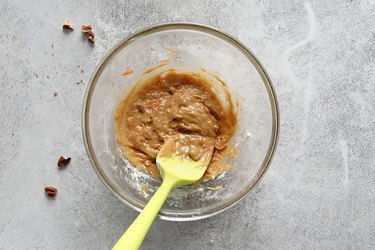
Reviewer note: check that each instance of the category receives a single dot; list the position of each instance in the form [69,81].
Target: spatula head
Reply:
[175,163]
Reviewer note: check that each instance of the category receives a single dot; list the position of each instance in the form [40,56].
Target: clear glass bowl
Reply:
[195,46]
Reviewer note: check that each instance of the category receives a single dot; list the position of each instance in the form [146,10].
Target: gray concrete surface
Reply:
[318,193]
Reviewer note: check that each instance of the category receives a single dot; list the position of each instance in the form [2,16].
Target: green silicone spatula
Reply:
[176,171]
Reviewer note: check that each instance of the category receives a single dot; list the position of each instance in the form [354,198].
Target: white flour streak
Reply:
[66,128]
[310,37]
[307,98]
[344,153]
[287,69]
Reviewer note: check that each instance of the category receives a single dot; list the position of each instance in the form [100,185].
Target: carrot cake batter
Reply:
[174,105]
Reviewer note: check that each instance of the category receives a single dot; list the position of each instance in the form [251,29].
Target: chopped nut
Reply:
[62,162]
[140,108]
[68,26]
[91,39]
[86,28]
[90,36]
[127,72]
[50,191]
[90,33]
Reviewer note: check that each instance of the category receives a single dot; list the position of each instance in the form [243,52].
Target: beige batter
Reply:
[179,106]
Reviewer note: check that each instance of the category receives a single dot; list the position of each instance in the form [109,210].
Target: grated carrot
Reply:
[127,72]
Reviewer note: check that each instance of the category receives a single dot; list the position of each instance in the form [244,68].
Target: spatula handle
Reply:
[133,237]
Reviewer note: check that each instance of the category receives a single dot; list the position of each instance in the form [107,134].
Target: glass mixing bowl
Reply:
[193,46]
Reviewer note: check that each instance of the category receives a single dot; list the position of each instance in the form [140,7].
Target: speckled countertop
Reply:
[319,192]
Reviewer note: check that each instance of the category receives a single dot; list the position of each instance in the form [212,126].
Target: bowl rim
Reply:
[205,29]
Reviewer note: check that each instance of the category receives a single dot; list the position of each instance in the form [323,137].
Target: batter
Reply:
[174,105]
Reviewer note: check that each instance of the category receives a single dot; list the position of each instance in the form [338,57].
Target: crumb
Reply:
[47,77]
[81,81]
[233,153]
[55,94]
[82,71]
[171,51]
[164,61]
[52,46]
[215,188]
[77,83]
[144,190]
[245,134]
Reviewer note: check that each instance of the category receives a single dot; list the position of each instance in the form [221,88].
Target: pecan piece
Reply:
[50,191]
[68,26]
[62,162]
[91,39]
[86,28]
[90,36]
